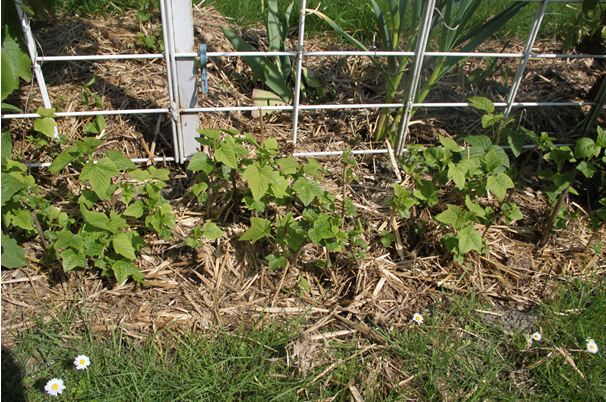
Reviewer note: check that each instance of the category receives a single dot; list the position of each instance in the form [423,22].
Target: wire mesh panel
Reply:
[182,82]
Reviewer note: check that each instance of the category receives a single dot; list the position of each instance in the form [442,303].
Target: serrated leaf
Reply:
[512,213]
[125,269]
[469,240]
[307,190]
[516,141]
[23,219]
[456,174]
[496,159]
[121,161]
[274,262]
[46,126]
[259,178]
[134,210]
[499,184]
[454,216]
[13,255]
[288,166]
[587,168]
[481,103]
[95,219]
[450,144]
[200,162]
[15,64]
[586,148]
[601,138]
[474,207]
[227,153]
[259,229]
[211,231]
[99,176]
[123,245]
[71,260]
[10,186]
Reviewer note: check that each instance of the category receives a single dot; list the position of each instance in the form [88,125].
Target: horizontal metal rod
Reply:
[222,109]
[134,160]
[330,53]
[87,113]
[337,153]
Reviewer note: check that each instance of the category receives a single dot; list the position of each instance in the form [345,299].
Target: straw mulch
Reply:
[226,283]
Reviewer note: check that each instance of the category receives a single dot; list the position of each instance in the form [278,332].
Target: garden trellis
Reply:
[182,77]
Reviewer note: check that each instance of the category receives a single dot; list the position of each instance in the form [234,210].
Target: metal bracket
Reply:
[203,70]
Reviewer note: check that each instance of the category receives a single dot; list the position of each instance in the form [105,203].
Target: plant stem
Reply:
[552,218]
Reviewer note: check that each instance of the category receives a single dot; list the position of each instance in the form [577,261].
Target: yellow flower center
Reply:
[82,362]
[55,387]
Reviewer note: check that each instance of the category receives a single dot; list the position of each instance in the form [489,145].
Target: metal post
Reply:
[33,55]
[416,74]
[179,38]
[297,94]
[517,80]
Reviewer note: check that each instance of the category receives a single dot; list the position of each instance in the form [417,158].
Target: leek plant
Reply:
[396,22]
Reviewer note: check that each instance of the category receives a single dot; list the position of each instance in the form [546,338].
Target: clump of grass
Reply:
[457,353]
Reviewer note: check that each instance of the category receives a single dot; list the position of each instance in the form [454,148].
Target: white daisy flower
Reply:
[54,387]
[81,362]
[418,318]
[591,346]
[536,337]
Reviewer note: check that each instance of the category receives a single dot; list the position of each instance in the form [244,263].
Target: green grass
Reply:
[355,16]
[459,353]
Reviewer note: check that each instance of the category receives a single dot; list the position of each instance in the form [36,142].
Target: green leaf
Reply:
[22,218]
[227,153]
[454,216]
[46,126]
[125,269]
[307,190]
[496,159]
[481,103]
[95,219]
[259,229]
[15,64]
[7,146]
[46,112]
[480,144]
[13,255]
[288,166]
[10,108]
[71,260]
[450,144]
[200,162]
[516,141]
[469,240]
[99,176]
[456,174]
[499,184]
[134,210]
[601,138]
[10,186]
[587,168]
[474,207]
[121,161]
[123,245]
[586,148]
[259,178]
[274,262]
[211,231]
[512,212]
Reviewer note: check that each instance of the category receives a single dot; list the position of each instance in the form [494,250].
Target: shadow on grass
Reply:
[12,378]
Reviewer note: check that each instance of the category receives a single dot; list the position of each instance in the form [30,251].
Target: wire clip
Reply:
[203,70]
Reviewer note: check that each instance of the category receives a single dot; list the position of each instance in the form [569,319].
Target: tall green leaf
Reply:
[15,64]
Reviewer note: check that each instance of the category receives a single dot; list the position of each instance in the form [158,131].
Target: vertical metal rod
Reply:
[181,34]
[517,80]
[169,75]
[33,55]
[297,94]
[416,74]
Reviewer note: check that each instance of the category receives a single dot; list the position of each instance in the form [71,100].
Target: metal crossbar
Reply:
[183,107]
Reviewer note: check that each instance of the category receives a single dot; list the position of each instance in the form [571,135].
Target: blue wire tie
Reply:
[204,75]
